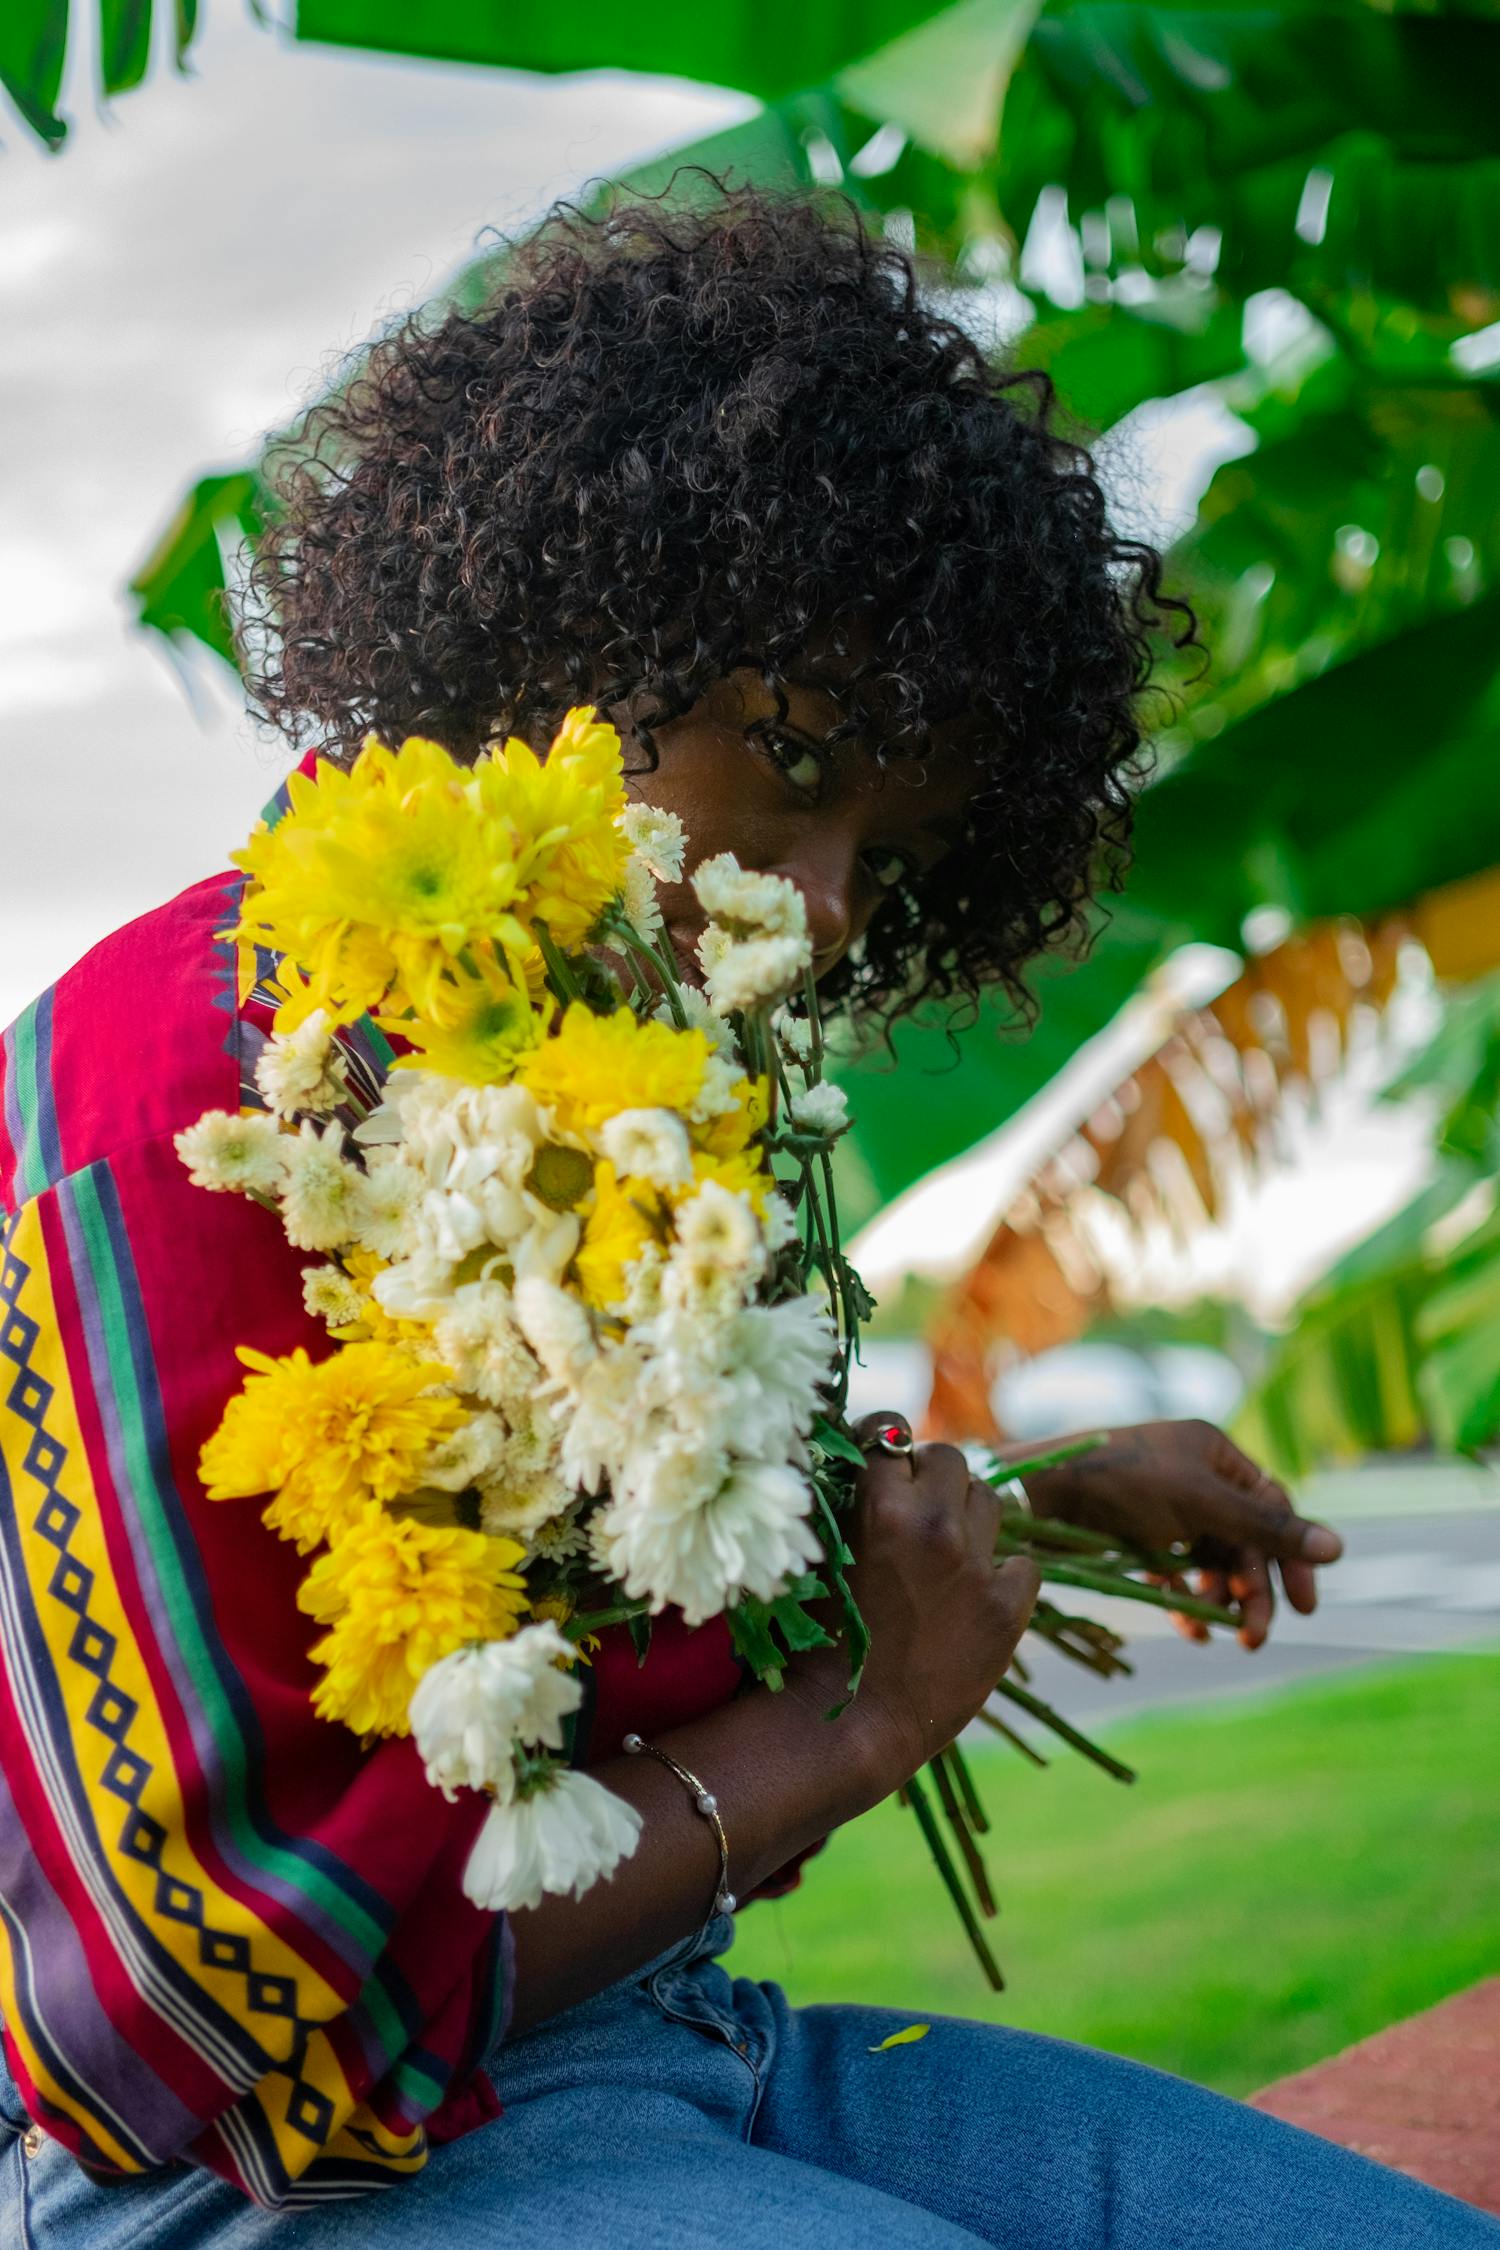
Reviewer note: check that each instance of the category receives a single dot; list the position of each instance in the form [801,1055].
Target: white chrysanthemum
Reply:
[386,1218]
[247,1154]
[471,1455]
[701,1017]
[716,1097]
[458,1136]
[674,1473]
[472,1706]
[415,1288]
[557,1328]
[638,897]
[517,1504]
[330,1295]
[659,838]
[648,1144]
[750,1538]
[545,1251]
[323,1194]
[560,1538]
[795,1034]
[476,1335]
[749,904]
[604,1414]
[821,1109]
[751,972]
[779,1360]
[558,1839]
[643,1280]
[718,1226]
[301,1072]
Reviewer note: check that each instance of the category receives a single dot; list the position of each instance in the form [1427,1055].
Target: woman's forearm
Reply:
[784,1776]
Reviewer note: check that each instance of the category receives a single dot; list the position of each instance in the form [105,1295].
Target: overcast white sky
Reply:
[170,287]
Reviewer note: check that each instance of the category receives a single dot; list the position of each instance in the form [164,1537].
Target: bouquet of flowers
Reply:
[580,1268]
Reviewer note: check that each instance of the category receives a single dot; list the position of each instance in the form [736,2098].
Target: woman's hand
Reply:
[1164,1484]
[943,1619]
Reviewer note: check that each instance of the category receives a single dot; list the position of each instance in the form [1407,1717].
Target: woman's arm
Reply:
[944,1623]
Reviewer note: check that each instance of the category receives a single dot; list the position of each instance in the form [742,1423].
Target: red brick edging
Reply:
[1423,2096]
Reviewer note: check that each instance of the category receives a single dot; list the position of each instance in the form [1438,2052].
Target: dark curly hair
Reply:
[677,440]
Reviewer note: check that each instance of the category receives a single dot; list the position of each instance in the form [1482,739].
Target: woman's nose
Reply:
[828,895]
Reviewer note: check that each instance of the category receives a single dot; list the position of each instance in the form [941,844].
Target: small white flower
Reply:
[659,839]
[716,1097]
[701,1017]
[246,1153]
[470,1455]
[470,1708]
[638,897]
[323,1195]
[648,1144]
[718,1226]
[749,904]
[780,1360]
[386,1216]
[822,1109]
[330,1295]
[476,1335]
[750,1538]
[518,1504]
[604,1415]
[750,972]
[557,1328]
[558,1839]
[302,1072]
[545,1251]
[795,1034]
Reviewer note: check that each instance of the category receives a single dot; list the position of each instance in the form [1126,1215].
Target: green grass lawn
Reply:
[1290,1872]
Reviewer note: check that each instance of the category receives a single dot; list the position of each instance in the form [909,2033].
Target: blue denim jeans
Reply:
[681,2108]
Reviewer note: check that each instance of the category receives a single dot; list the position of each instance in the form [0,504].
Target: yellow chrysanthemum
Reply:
[480,1028]
[743,1173]
[735,1128]
[618,1227]
[397,1595]
[375,879]
[327,1436]
[565,812]
[595,1066]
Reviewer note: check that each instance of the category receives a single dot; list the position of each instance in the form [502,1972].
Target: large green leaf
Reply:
[179,589]
[33,48]
[768,48]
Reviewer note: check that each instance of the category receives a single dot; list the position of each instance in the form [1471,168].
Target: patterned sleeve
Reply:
[227,1932]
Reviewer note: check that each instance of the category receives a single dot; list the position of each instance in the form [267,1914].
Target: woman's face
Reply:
[847,831]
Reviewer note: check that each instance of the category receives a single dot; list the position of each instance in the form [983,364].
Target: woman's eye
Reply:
[801,766]
[889,869]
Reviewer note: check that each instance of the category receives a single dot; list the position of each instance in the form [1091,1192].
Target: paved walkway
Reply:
[1411,1582]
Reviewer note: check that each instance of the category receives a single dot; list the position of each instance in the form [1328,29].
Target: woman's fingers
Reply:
[1249,1579]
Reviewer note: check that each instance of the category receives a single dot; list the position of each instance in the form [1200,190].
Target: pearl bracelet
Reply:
[704,1802]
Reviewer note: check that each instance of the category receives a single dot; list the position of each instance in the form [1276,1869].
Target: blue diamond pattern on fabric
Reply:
[92,1647]
[272,1996]
[111,1712]
[71,1584]
[57,1518]
[125,1775]
[310,2112]
[179,1902]
[29,1396]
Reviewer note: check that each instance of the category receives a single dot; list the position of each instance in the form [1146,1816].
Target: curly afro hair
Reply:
[676,441]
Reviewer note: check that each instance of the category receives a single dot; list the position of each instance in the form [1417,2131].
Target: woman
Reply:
[860,617]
